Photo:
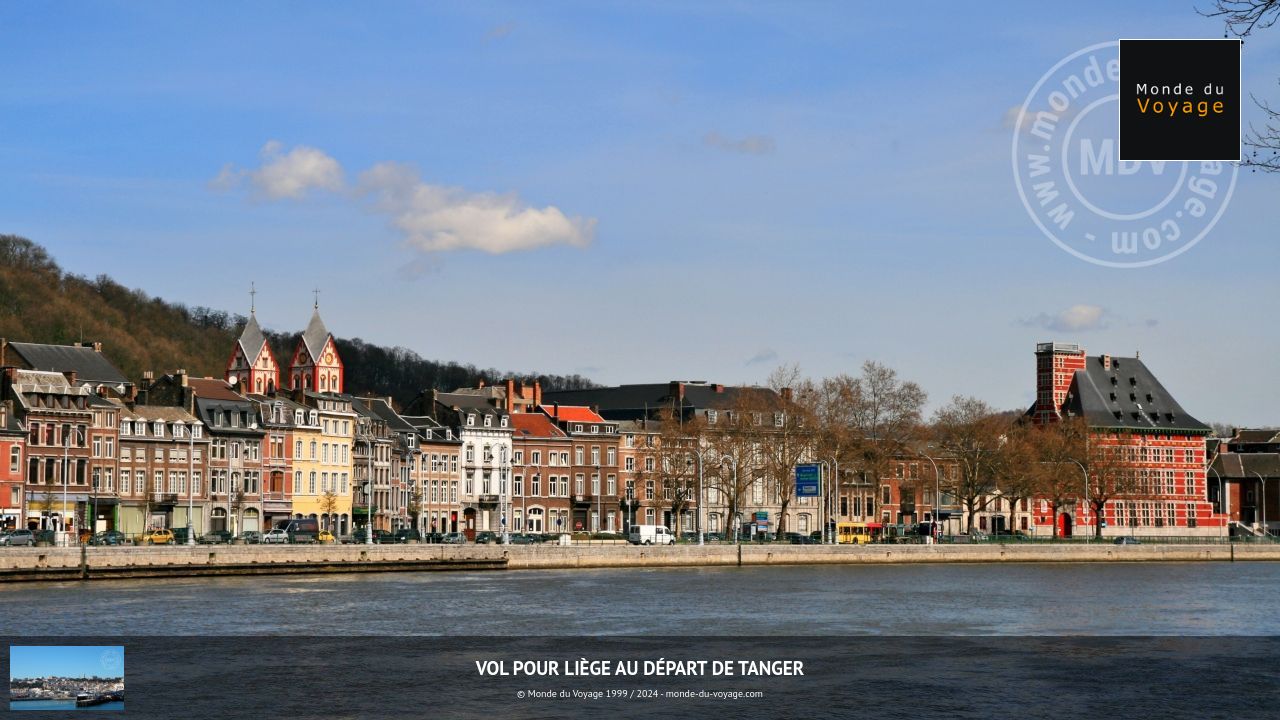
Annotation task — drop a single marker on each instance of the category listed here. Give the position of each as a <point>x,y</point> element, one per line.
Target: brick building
<point>540,453</point>
<point>12,443</point>
<point>1162,447</point>
<point>594,493</point>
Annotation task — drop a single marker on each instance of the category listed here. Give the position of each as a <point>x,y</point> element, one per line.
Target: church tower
<point>253,367</point>
<point>316,365</point>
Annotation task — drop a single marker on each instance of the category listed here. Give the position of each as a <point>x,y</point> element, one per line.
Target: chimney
<point>718,388</point>
<point>555,411</point>
<point>481,383</point>
<point>71,376</point>
<point>1106,362</point>
<point>676,390</point>
<point>511,394</point>
<point>786,394</point>
<point>537,392</point>
<point>97,347</point>
<point>182,377</point>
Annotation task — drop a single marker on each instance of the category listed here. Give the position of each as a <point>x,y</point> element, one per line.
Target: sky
<point>28,661</point>
<point>633,192</point>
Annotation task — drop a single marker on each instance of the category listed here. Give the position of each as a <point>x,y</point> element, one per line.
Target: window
<point>535,485</point>
<point>613,485</point>
<point>488,420</point>
<point>311,484</point>
<point>578,456</point>
<point>579,484</point>
<point>611,456</point>
<point>15,460</point>
<point>629,463</point>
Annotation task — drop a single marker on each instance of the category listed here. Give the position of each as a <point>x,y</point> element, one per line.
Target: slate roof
<point>1126,396</point>
<point>1244,465</point>
<point>315,336</point>
<point>628,402</point>
<point>473,403</point>
<point>252,338</point>
<point>89,365</point>
<point>377,407</point>
<point>1260,437</point>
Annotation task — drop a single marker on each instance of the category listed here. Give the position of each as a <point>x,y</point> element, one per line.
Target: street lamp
<point>191,479</point>
<point>368,516</point>
<point>1222,497</point>
<point>1263,482</point>
<point>66,447</point>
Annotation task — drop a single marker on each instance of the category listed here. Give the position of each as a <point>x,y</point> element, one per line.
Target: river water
<point>946,599</point>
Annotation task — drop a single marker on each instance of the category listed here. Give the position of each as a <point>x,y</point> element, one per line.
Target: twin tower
<point>315,365</point>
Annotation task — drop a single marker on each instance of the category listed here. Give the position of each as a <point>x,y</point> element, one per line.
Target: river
<point>945,599</point>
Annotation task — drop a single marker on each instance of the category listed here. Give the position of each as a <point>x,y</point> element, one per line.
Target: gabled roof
<point>531,425</point>
<point>472,403</point>
<point>626,402</point>
<point>315,336</point>
<point>252,339</point>
<point>89,365</point>
<point>1127,396</point>
<point>1251,437</point>
<point>571,413</point>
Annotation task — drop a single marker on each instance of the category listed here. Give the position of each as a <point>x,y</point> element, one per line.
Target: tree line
<point>867,425</point>
<point>41,303</point>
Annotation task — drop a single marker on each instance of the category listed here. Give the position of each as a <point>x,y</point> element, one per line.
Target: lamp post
<point>66,467</point>
<point>191,479</point>
<point>701,526</point>
<point>937,496</point>
<point>1222,496</point>
<point>367,486</point>
<point>1086,496</point>
<point>1263,482</point>
<point>93,523</point>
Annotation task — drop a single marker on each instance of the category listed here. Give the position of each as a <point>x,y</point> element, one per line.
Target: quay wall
<point>123,562</point>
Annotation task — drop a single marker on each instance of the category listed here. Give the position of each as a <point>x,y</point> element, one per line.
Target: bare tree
<point>734,457</point>
<point>1241,18</point>
<point>1111,475</point>
<point>786,435</point>
<point>971,434</point>
<point>328,505</point>
<point>884,416</point>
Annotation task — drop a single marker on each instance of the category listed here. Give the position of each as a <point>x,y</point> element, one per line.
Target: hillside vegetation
<point>41,303</point>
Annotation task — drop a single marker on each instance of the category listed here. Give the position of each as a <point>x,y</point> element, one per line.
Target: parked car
<point>487,537</point>
<point>1128,540</point>
<point>278,536</point>
<point>799,539</point>
<point>217,537</point>
<point>433,538</point>
<point>525,539</point>
<point>453,539</point>
<point>18,537</point>
<point>379,536</point>
<point>325,537</point>
<point>651,535</point>
<point>407,535</point>
<point>250,537</point>
<point>160,536</point>
<point>108,537</point>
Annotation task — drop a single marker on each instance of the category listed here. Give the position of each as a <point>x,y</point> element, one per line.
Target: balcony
<point>487,499</point>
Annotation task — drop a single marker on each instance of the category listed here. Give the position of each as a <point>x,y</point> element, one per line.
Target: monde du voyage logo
<point>1124,153</point>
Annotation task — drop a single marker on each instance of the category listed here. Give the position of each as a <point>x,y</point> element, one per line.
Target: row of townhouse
<point>83,447</point>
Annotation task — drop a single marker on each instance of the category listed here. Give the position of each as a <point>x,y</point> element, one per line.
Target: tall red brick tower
<point>1056,365</point>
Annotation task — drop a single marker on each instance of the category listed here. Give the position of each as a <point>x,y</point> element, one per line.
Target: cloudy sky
<point>635,192</point>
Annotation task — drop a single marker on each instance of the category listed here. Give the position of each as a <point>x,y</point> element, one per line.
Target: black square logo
<point>1180,100</point>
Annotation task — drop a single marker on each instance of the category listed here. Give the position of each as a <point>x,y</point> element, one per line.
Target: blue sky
<point>27,661</point>
<point>679,190</point>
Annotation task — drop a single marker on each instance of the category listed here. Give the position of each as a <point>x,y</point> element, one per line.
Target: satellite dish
<point>232,380</point>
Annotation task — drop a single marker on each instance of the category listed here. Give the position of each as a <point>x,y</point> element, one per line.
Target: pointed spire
<point>316,293</point>
<point>253,292</point>
<point>316,335</point>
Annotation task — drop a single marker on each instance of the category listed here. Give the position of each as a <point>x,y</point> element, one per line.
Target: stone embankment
<point>132,562</point>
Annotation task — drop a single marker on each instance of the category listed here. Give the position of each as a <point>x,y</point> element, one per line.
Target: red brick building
<point>594,491</point>
<point>1160,444</point>
<point>12,442</point>
<point>540,453</point>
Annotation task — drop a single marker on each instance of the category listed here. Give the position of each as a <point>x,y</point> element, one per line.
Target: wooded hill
<point>41,303</point>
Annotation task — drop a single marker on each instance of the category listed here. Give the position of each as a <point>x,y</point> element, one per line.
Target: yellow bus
<point>859,533</point>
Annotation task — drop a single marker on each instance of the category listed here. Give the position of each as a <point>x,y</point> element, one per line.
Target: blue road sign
<point>808,480</point>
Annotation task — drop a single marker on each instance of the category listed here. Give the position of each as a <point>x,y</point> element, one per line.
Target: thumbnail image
<point>66,677</point>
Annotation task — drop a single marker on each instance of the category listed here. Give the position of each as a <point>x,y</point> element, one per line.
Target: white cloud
<point>1077,318</point>
<point>749,145</point>
<point>284,175</point>
<point>435,218</point>
<point>432,218</point>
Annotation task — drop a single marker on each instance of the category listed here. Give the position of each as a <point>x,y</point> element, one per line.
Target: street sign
<point>808,480</point>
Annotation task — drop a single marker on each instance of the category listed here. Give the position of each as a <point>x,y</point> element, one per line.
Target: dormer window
<point>197,431</point>
<point>504,422</point>
<point>595,429</point>
<point>141,427</point>
<point>179,430</point>
<point>471,420</point>
<point>157,428</point>
<point>126,428</point>
<point>711,417</point>
<point>577,428</point>
<point>777,419</point>
<point>488,420</point>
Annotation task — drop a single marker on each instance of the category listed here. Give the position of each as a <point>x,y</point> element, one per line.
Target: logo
<point>112,660</point>
<point>1103,210</point>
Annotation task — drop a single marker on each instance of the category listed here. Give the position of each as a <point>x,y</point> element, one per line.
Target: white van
<point>651,535</point>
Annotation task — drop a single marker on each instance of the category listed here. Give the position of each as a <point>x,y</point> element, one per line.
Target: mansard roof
<point>1126,395</point>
